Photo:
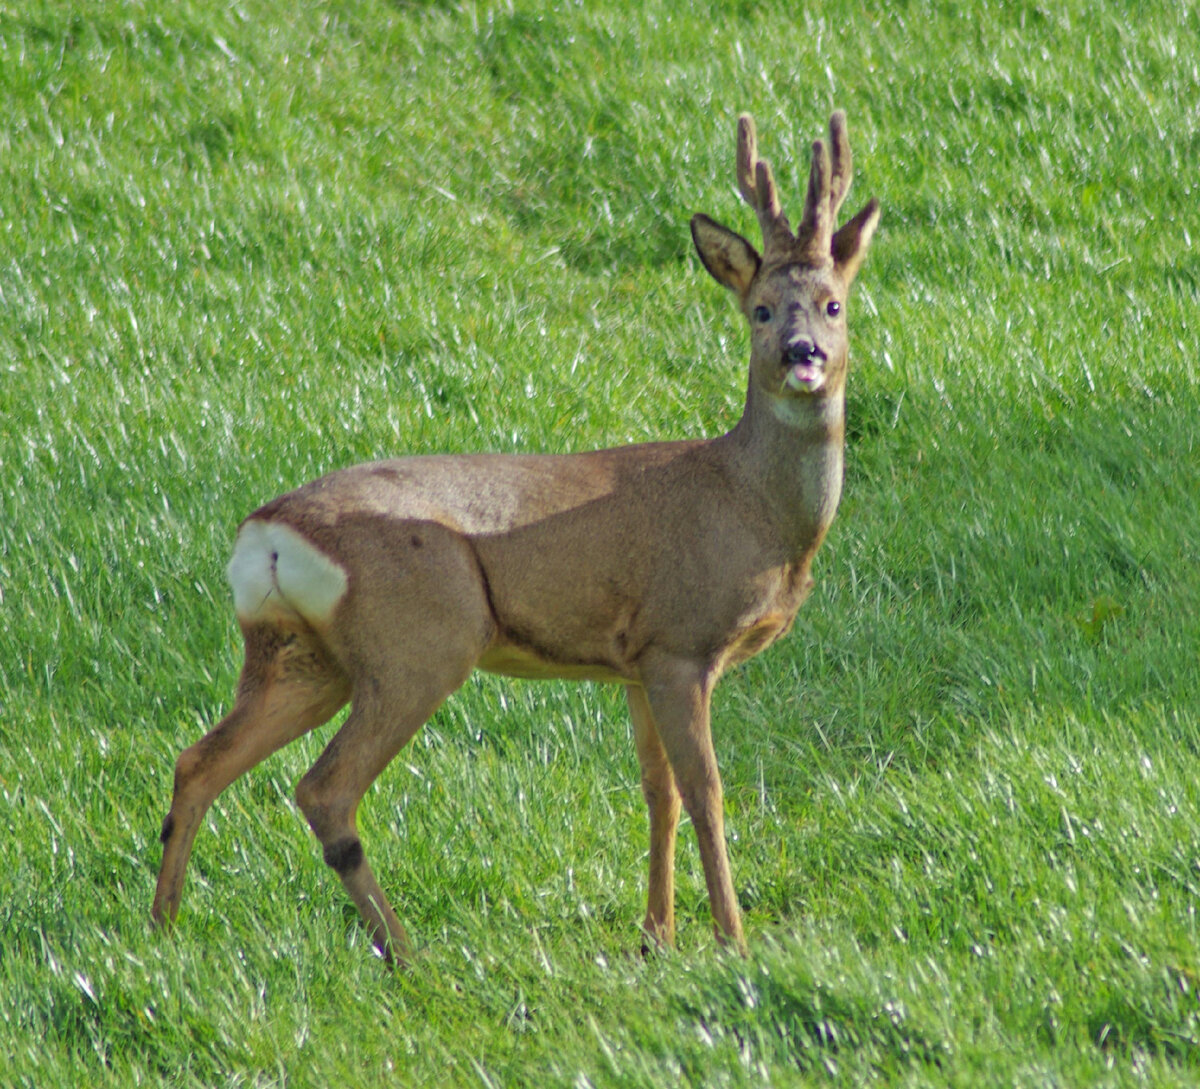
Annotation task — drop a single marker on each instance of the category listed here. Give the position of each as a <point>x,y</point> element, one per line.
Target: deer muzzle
<point>804,364</point>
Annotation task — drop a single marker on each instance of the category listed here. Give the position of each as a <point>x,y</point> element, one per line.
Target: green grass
<point>243,244</point>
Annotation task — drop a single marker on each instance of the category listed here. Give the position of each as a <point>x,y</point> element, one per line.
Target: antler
<point>842,174</point>
<point>758,189</point>
<point>828,184</point>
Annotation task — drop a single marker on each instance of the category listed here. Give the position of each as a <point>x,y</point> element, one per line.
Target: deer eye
<point>833,308</point>
<point>762,313</point>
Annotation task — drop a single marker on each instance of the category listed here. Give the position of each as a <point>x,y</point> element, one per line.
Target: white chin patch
<point>804,412</point>
<point>277,573</point>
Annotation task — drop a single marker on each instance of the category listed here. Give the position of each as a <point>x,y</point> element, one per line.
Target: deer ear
<point>851,240</point>
<point>729,258</point>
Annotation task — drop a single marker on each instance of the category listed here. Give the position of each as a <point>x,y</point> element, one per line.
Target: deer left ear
<point>851,240</point>
<point>729,258</point>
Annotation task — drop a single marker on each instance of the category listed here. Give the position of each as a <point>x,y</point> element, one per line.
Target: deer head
<point>794,293</point>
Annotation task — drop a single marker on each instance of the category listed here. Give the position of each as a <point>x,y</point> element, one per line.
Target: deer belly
<point>513,660</point>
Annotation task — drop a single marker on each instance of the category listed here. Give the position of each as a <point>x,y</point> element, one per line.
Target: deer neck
<point>788,451</point>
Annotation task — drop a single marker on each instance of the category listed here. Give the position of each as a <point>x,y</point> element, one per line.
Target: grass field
<point>242,244</point>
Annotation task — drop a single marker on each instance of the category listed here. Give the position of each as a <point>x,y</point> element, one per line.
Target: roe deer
<point>657,566</point>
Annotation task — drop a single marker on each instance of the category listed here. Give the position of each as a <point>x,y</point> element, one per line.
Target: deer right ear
<point>729,258</point>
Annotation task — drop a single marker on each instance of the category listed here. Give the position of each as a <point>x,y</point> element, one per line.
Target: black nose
<point>802,351</point>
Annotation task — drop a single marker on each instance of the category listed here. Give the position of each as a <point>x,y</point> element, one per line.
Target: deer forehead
<point>795,285</point>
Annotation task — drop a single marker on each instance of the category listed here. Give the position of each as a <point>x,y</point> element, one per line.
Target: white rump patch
<point>276,573</point>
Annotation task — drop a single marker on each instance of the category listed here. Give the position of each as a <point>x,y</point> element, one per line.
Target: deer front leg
<point>677,693</point>
<point>662,799</point>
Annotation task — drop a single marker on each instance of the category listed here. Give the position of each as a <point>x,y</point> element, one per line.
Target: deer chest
<point>771,619</point>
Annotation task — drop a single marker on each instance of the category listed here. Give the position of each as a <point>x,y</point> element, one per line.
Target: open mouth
<point>805,377</point>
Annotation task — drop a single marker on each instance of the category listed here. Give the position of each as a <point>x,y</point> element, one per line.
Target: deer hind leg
<point>662,799</point>
<point>384,717</point>
<point>413,636</point>
<point>289,685</point>
<point>678,696</point>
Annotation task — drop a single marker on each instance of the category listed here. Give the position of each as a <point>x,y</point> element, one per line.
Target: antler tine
<point>758,188</point>
<point>839,184</point>
<point>747,158</point>
<point>816,228</point>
